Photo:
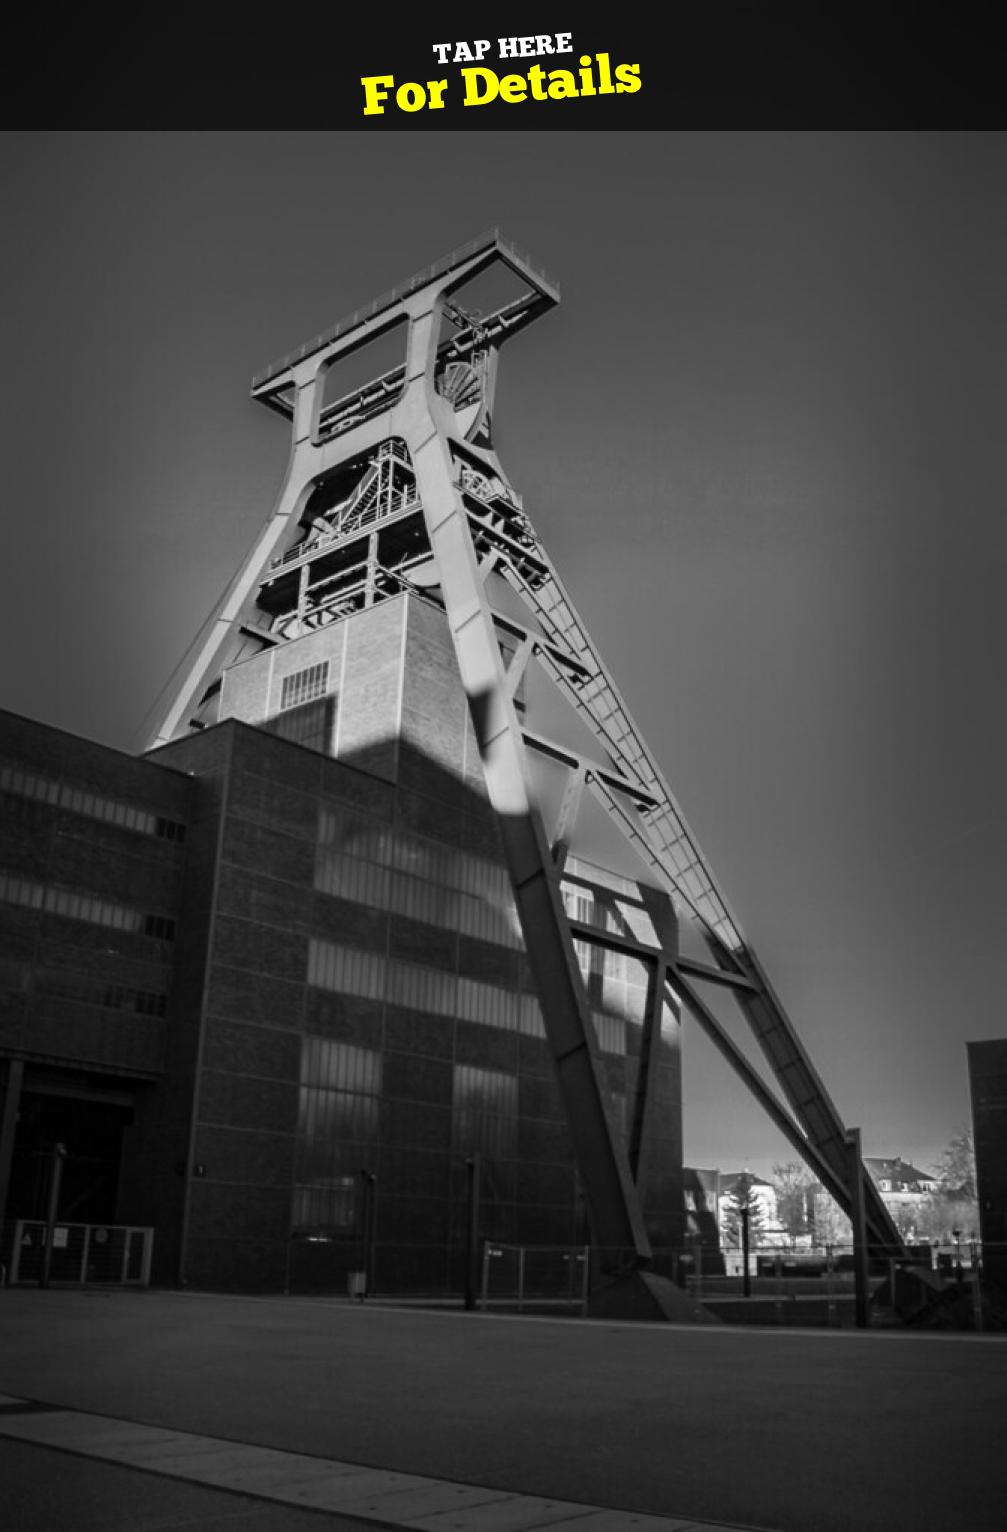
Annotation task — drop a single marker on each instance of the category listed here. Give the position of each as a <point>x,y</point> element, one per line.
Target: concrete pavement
<point>454,1422</point>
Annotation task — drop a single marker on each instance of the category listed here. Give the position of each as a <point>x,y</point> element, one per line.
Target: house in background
<point>901,1185</point>
<point>907,1193</point>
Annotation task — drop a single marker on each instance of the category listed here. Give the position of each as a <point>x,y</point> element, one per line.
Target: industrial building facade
<point>273,1001</point>
<point>397,886</point>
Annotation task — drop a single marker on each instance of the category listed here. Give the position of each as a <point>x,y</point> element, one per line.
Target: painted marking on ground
<point>292,1478</point>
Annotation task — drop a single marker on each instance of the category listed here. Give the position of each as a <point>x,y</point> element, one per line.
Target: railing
<point>783,1287</point>
<point>111,1254</point>
<point>399,501</point>
<point>419,279</point>
<point>534,1276</point>
<point>361,402</point>
<point>349,586</point>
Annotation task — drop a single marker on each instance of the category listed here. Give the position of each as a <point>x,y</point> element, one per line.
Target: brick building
<point>281,994</point>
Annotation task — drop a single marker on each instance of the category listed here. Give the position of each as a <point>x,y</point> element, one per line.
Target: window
<point>338,1117</point>
<point>27,784</point>
<point>304,685</point>
<point>75,906</point>
<point>438,884</point>
<point>485,1105</point>
<point>95,991</point>
<point>345,970</point>
<point>159,926</point>
<point>311,724</point>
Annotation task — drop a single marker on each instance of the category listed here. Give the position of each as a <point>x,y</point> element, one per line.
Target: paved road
<point>784,1429</point>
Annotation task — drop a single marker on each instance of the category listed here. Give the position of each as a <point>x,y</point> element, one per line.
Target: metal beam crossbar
<point>540,645</point>
<point>715,975</point>
<point>611,780</point>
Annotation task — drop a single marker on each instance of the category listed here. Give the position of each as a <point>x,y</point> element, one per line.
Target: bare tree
<point>794,1186</point>
<point>955,1170</point>
<point>830,1224</point>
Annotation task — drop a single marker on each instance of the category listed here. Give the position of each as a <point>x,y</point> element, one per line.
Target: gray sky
<point>762,438</point>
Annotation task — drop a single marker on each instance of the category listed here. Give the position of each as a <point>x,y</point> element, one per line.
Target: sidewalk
<point>288,1482</point>
<point>218,1412</point>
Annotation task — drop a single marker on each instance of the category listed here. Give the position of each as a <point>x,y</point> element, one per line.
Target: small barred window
<point>304,685</point>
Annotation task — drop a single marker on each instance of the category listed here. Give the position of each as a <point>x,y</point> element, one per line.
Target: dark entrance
<point>91,1129</point>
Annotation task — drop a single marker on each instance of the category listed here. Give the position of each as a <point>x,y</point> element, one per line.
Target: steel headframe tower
<point>417,499</point>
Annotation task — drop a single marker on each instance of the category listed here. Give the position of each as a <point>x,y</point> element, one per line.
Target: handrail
<point>394,294</point>
<point>400,502</point>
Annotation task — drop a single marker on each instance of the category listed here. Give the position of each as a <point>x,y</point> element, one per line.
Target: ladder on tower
<point>664,841</point>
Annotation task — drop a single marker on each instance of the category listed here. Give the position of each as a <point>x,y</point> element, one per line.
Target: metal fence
<point>783,1287</point>
<point>108,1254</point>
<point>534,1276</point>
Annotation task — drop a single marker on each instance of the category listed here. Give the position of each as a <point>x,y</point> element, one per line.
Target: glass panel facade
<point>485,1112</point>
<point>465,1000</point>
<point>397,870</point>
<point>413,986</point>
<point>312,724</point>
<point>28,784</point>
<point>346,970</point>
<point>95,991</point>
<point>339,1108</point>
<point>615,910</point>
<point>76,906</point>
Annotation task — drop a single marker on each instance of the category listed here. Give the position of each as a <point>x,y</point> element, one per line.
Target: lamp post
<point>369,1185</point>
<point>473,1187</point>
<point>55,1183</point>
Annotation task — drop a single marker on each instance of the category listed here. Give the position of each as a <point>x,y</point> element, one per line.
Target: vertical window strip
<point>610,1032</point>
<point>342,830</point>
<point>20,891</point>
<point>304,685</point>
<point>344,969</point>
<point>349,878</point>
<point>422,989</point>
<point>26,784</point>
<point>92,990</point>
<point>339,1105</point>
<point>530,1022</point>
<point>485,1111</point>
<point>310,724</point>
<point>488,1004</point>
<point>86,907</point>
<point>613,995</point>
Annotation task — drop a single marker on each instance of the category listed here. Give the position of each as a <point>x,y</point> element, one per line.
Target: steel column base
<point>644,1295</point>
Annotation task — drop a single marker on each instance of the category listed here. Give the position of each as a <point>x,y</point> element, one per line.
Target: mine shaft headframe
<point>324,434</point>
<point>474,331</point>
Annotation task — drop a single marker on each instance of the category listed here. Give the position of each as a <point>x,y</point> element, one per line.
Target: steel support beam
<point>642,1122</point>
<point>616,1215</point>
<point>725,1044</point>
<point>715,975</point>
<point>809,1100</point>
